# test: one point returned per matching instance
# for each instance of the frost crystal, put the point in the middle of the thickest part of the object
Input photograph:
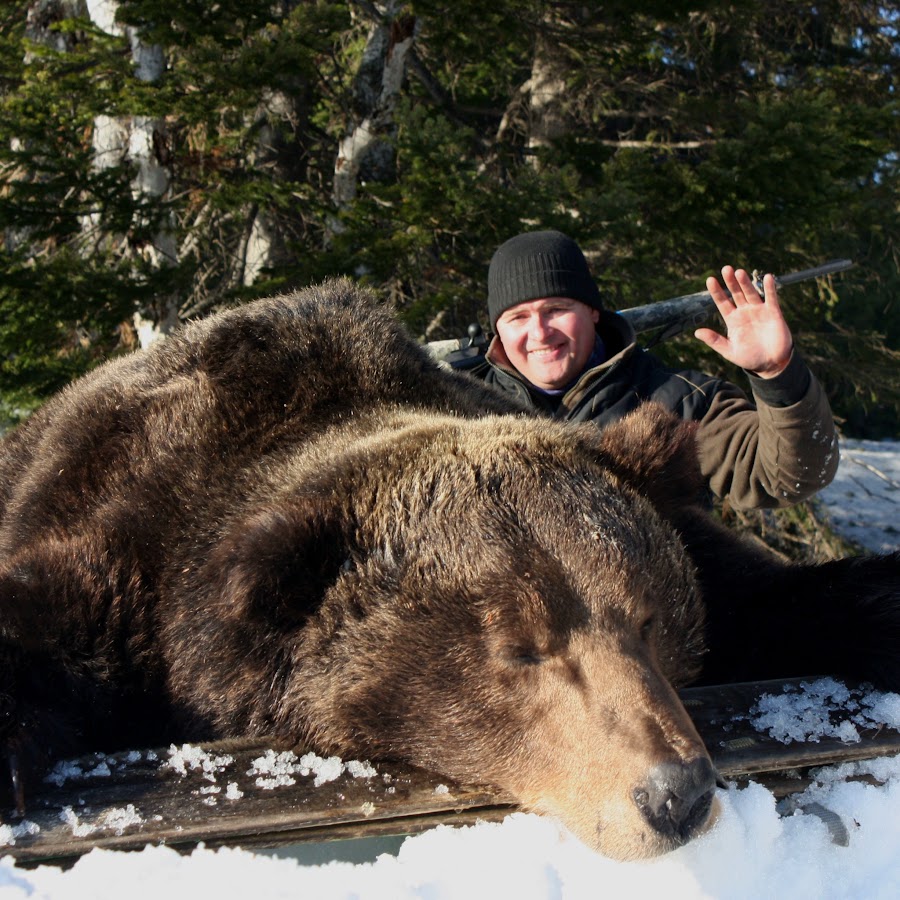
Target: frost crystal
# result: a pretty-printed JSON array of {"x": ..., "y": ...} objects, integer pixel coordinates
[
  {"x": 278, "y": 769},
  {"x": 824, "y": 709},
  {"x": 188, "y": 757},
  {"x": 69, "y": 817},
  {"x": 325, "y": 770},
  {"x": 9, "y": 834},
  {"x": 62, "y": 772},
  {"x": 274, "y": 769},
  {"x": 118, "y": 820},
  {"x": 360, "y": 769}
]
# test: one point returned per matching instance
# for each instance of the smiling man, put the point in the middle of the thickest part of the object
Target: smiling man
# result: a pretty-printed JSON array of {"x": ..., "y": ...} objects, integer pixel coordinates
[
  {"x": 548, "y": 340},
  {"x": 560, "y": 352}
]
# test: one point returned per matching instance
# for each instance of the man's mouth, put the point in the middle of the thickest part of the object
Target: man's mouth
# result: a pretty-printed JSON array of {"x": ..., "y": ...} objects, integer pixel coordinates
[{"x": 545, "y": 352}]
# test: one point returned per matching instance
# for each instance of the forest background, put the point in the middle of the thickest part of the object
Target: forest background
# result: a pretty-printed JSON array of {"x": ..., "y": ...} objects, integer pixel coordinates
[{"x": 159, "y": 161}]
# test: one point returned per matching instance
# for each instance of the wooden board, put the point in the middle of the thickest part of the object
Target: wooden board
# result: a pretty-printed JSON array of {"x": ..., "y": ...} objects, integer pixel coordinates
[{"x": 125, "y": 801}]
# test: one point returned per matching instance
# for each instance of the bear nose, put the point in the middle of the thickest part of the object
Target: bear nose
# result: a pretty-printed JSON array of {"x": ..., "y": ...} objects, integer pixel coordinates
[{"x": 676, "y": 798}]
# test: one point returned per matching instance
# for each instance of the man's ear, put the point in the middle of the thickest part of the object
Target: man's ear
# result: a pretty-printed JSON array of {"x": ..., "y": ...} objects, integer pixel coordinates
[
  {"x": 278, "y": 562},
  {"x": 655, "y": 452}
]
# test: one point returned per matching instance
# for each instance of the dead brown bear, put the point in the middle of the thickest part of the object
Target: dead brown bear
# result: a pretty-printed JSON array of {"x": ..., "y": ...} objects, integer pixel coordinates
[{"x": 287, "y": 520}]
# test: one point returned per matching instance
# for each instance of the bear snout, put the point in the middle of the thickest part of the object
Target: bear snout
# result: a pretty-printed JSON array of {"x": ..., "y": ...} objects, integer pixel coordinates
[{"x": 676, "y": 799}]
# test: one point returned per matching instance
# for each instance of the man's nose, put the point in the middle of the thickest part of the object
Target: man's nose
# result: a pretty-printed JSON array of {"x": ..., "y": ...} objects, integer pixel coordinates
[{"x": 539, "y": 326}]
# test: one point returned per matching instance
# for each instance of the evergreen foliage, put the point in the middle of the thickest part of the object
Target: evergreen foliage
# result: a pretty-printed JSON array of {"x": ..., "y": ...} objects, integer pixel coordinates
[{"x": 671, "y": 138}]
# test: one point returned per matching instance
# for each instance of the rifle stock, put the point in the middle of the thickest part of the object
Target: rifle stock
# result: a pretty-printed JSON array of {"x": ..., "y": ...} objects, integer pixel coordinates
[{"x": 672, "y": 316}]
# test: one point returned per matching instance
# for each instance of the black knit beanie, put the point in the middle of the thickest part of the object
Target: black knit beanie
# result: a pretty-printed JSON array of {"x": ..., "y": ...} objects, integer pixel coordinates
[{"x": 538, "y": 264}]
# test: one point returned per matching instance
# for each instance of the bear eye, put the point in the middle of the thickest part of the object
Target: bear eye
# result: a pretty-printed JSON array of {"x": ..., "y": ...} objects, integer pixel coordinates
[
  {"x": 647, "y": 628},
  {"x": 526, "y": 656}
]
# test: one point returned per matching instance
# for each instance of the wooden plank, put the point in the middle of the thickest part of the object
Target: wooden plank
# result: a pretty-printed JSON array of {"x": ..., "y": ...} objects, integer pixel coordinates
[
  {"x": 221, "y": 796},
  {"x": 124, "y": 801},
  {"x": 721, "y": 714}
]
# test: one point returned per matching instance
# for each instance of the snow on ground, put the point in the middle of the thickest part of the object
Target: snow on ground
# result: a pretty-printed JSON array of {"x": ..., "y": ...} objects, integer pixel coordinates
[
  {"x": 838, "y": 839},
  {"x": 751, "y": 853},
  {"x": 863, "y": 501}
]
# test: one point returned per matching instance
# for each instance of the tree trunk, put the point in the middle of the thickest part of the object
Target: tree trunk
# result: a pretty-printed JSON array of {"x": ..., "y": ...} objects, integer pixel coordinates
[
  {"x": 548, "y": 90},
  {"x": 42, "y": 14},
  {"x": 376, "y": 88},
  {"x": 259, "y": 245},
  {"x": 136, "y": 139}
]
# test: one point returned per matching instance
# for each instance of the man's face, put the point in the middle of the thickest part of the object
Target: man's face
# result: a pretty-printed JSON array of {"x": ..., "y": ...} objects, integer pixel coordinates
[{"x": 550, "y": 340}]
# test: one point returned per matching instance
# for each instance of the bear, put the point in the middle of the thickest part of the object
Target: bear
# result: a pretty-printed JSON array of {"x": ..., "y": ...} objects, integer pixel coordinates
[{"x": 287, "y": 520}]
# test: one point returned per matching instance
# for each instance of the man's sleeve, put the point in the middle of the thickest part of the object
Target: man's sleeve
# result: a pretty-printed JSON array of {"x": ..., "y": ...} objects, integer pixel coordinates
[{"x": 772, "y": 453}]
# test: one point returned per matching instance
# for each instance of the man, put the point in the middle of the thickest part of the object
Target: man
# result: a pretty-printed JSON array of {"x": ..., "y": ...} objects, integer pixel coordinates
[{"x": 558, "y": 350}]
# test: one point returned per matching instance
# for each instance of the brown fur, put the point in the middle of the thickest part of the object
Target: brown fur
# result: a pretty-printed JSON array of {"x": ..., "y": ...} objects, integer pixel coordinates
[{"x": 287, "y": 520}]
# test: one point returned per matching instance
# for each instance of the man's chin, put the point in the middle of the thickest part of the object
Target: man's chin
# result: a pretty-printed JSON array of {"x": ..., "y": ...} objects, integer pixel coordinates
[{"x": 552, "y": 380}]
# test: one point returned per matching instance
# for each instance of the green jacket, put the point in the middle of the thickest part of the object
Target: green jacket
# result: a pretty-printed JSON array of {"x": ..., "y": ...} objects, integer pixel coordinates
[{"x": 773, "y": 451}]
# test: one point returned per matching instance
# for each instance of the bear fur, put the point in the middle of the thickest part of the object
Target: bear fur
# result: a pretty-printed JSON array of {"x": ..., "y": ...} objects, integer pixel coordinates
[{"x": 287, "y": 520}]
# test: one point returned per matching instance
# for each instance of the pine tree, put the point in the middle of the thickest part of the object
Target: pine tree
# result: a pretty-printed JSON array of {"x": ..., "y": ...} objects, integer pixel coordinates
[{"x": 401, "y": 142}]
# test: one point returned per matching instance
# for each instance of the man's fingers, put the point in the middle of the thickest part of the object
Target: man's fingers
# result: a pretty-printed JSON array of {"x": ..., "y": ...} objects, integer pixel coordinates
[
  {"x": 722, "y": 299},
  {"x": 741, "y": 290},
  {"x": 741, "y": 286},
  {"x": 771, "y": 290},
  {"x": 729, "y": 276},
  {"x": 712, "y": 339}
]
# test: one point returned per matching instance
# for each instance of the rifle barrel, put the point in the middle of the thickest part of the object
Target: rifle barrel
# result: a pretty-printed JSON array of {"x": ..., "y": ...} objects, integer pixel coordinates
[
  {"x": 829, "y": 268},
  {"x": 691, "y": 309},
  {"x": 673, "y": 316}
]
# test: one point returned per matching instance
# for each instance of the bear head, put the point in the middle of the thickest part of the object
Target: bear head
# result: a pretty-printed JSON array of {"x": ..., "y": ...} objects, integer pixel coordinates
[{"x": 497, "y": 600}]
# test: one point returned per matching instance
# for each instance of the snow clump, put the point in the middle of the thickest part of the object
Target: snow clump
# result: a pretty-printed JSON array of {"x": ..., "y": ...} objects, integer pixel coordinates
[{"x": 824, "y": 709}]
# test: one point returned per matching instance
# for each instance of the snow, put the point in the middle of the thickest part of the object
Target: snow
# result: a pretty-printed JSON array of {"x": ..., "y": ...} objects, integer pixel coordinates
[
  {"x": 752, "y": 852},
  {"x": 863, "y": 501},
  {"x": 836, "y": 839},
  {"x": 824, "y": 708},
  {"x": 277, "y": 769}
]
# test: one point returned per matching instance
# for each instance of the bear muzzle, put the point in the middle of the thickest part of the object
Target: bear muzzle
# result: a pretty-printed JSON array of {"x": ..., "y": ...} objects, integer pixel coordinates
[{"x": 676, "y": 799}]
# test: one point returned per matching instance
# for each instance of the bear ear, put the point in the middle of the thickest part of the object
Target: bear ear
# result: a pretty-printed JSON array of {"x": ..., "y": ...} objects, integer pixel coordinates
[
  {"x": 244, "y": 354},
  {"x": 655, "y": 452},
  {"x": 278, "y": 562}
]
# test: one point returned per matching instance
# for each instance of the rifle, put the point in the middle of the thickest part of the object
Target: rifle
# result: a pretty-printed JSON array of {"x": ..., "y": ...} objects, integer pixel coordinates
[{"x": 672, "y": 316}]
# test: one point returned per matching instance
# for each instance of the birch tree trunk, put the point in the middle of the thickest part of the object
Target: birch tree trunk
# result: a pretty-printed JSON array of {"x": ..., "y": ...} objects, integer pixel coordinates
[
  {"x": 548, "y": 90},
  {"x": 135, "y": 139},
  {"x": 44, "y": 13},
  {"x": 536, "y": 111},
  {"x": 377, "y": 87},
  {"x": 259, "y": 245}
]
